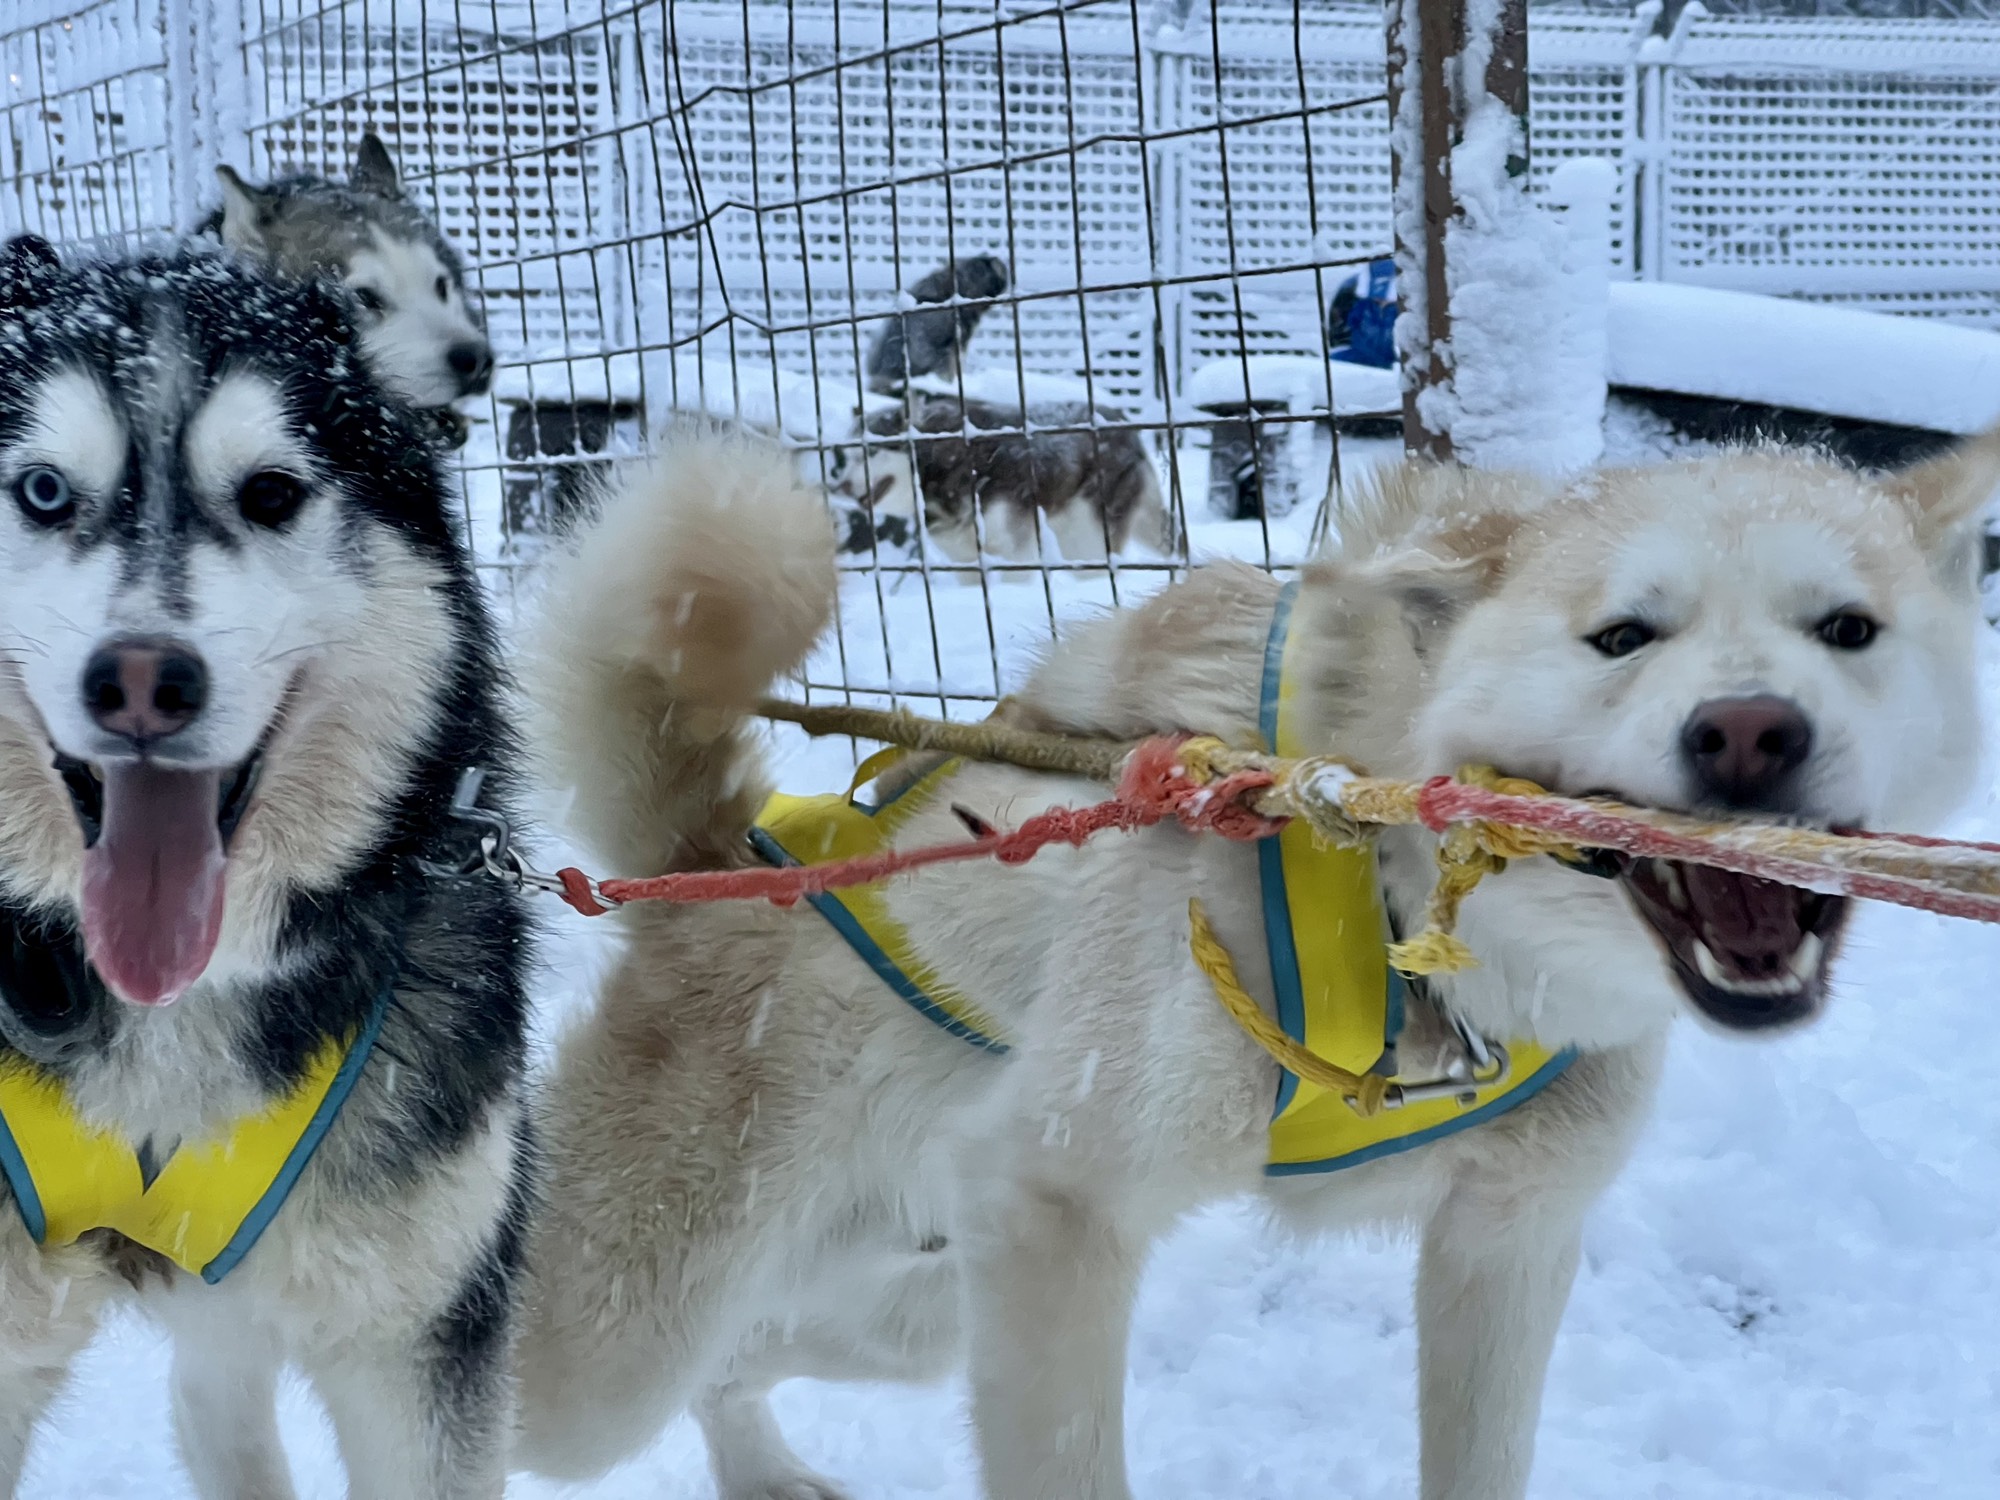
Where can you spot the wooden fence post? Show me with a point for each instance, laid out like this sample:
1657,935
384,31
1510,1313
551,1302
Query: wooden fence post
1430,97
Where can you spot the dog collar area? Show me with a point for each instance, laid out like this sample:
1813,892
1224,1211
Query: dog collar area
1326,935
204,1204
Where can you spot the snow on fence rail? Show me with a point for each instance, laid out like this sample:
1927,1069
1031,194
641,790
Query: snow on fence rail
716,203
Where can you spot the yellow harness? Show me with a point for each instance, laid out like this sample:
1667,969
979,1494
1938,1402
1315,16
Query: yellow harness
1325,929
208,1202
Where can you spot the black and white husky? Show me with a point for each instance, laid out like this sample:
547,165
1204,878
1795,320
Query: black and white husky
243,658
420,331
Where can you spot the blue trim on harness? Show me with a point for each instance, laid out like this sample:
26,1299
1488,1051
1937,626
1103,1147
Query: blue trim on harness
26,1198
1284,952
259,1218
857,938
1547,1074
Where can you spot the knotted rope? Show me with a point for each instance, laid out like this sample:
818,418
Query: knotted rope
1484,821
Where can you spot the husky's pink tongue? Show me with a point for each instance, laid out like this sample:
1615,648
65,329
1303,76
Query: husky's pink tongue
153,882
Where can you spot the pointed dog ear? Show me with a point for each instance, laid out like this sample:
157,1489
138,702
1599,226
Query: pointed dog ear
374,169
1947,500
1429,594
246,212
27,264
1946,494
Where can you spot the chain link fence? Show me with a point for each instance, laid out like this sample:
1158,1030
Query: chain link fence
791,212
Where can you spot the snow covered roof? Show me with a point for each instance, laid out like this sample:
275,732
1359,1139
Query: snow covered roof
1836,361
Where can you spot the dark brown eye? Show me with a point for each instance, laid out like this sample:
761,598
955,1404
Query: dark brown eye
371,299
443,290
1847,630
1622,638
270,498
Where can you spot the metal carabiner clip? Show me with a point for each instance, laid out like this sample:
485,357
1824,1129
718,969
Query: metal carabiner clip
1485,1065
492,852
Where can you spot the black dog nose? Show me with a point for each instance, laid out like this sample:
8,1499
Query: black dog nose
144,690
1742,750
472,363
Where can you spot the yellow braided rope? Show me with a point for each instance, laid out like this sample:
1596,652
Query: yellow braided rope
1364,1092
1467,853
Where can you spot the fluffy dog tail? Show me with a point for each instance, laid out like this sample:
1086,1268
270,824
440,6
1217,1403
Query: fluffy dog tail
707,573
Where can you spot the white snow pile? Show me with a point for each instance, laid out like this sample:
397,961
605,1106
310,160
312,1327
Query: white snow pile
1297,382
1527,297
702,380
1838,361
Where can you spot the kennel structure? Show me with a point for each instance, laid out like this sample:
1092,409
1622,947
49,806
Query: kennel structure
714,205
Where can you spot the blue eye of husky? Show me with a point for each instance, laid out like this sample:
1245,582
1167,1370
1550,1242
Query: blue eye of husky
270,497
44,496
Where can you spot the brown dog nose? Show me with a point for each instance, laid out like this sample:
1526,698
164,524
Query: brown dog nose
144,690
1743,750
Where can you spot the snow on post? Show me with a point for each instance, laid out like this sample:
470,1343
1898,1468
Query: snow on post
207,99
1501,331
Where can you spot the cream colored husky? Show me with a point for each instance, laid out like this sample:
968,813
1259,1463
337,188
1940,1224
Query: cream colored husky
766,1164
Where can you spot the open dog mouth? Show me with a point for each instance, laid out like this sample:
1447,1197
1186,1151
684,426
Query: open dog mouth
85,785
1749,953
156,852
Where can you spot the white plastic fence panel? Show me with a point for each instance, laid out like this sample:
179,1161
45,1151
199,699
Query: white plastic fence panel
84,154
1583,100
1287,103
849,150
1857,160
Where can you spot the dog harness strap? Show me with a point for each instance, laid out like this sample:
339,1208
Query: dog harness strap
208,1202
1328,935
1325,928
813,830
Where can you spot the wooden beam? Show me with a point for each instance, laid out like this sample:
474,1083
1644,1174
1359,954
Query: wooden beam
1428,105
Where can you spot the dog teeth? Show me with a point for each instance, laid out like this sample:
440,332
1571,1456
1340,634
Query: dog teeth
1805,963
1669,878
1709,965
1711,970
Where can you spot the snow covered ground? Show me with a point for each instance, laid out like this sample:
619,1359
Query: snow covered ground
1790,1293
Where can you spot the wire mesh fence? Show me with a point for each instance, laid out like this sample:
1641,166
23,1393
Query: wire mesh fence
85,114
1043,292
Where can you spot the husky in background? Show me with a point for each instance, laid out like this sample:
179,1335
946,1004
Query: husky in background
772,1164
981,477
928,344
420,332
243,660
976,469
